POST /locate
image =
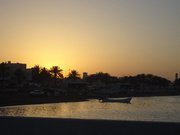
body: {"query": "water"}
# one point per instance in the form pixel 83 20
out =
pixel 165 109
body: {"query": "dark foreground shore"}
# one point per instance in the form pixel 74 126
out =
pixel 52 126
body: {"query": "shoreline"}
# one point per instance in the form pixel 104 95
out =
pixel 24 99
pixel 48 126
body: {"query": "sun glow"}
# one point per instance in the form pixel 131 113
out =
pixel 119 37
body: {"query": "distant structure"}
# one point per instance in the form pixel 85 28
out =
pixel 13 67
pixel 85 75
pixel 176 76
pixel 29 74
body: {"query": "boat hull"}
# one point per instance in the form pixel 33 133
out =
pixel 124 100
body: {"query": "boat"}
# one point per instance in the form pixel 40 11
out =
pixel 111 100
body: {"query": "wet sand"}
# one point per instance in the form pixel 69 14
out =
pixel 51 126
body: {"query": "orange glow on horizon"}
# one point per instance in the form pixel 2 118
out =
pixel 119 37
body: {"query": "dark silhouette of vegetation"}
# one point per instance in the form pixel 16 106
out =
pixel 74 75
pixel 56 72
pixel 147 79
pixel 50 83
pixel 103 77
pixel 44 75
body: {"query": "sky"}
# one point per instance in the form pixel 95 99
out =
pixel 121 37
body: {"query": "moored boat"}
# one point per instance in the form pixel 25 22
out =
pixel 122 100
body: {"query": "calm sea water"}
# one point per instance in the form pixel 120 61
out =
pixel 141 109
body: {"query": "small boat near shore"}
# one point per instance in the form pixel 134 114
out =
pixel 111 100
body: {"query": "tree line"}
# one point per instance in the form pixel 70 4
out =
pixel 38 74
pixel 55 73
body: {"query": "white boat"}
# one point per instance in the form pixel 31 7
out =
pixel 121 100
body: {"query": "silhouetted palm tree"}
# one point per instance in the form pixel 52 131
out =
pixel 74 75
pixel 44 75
pixel 57 72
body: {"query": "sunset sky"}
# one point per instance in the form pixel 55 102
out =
pixel 121 37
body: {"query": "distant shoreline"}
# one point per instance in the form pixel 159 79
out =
pixel 25 99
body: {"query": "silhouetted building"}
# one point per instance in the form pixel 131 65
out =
pixel 16 71
pixel 85 75
pixel 15 66
pixel 29 74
